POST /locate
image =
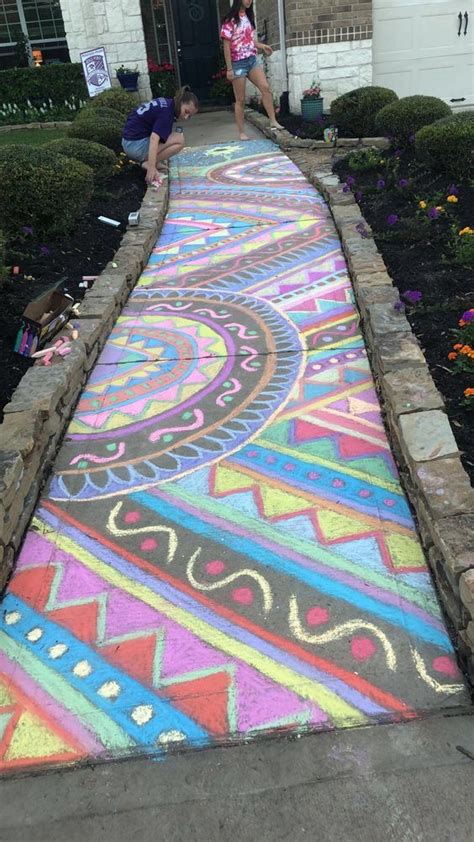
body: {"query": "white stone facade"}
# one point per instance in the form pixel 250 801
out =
pixel 115 25
pixel 338 67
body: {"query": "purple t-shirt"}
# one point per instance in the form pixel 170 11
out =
pixel 155 116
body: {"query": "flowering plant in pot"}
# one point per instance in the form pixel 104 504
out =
pixel 128 77
pixel 162 78
pixel 312 102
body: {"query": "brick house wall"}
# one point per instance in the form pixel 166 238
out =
pixel 329 41
pixel 327 21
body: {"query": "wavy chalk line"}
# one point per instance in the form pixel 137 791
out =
pixel 338 632
pixel 118 532
pixel 261 582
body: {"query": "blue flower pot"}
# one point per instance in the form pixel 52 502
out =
pixel 128 81
pixel 311 108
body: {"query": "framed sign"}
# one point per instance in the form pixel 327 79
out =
pixel 96 71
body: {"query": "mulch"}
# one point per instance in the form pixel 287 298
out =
pixel 419 262
pixel 44 265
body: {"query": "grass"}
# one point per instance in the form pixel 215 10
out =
pixel 31 137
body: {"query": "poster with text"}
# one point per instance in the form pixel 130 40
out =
pixel 96 71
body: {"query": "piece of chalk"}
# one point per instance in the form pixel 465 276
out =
pixel 113 222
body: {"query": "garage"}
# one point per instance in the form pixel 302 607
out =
pixel 425 48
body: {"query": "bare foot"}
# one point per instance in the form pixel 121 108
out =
pixel 244 136
pixel 276 126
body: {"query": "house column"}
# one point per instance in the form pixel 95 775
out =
pixel 115 25
pixel 327 40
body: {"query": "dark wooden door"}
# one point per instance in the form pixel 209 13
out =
pixel 197 38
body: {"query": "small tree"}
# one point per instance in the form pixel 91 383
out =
pixel 22 50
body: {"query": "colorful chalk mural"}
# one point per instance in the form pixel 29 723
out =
pixel 224 549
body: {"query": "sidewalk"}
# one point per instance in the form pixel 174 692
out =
pixel 224 549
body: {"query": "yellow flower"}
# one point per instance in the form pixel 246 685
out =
pixel 466 230
pixel 440 208
pixel 422 204
pixel 453 199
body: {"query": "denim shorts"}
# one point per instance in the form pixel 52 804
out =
pixel 137 150
pixel 245 66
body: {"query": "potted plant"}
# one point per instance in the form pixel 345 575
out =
pixel 312 102
pixel 128 77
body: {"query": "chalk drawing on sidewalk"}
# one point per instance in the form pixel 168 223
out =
pixel 225 549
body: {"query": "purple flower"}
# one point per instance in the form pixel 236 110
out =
pixel 413 296
pixel 44 251
pixel 362 230
pixel 392 219
pixel 358 196
pixel 399 306
pixel 433 213
pixel 398 153
pixel 380 184
pixel 468 316
pixel 403 182
pixel 27 229
pixel 346 189
pixel 350 180
pixel 452 190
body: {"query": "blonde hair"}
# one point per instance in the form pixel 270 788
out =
pixel 185 96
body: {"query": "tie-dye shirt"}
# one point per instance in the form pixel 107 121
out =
pixel 242 44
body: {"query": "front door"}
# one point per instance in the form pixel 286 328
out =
pixel 197 40
pixel 424 47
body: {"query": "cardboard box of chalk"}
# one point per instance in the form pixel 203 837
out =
pixel 41 320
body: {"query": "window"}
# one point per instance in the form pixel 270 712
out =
pixel 43 19
pixel 9 22
pixel 161 31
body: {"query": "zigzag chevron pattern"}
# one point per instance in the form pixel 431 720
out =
pixel 224 549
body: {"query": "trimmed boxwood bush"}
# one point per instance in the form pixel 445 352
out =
pixel 107 131
pixel 354 113
pixel 3 253
pixel 42 189
pixel 100 159
pixel 116 98
pixel 39 94
pixel 104 113
pixel 405 117
pixel 447 145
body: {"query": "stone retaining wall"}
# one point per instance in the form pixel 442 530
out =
pixel 421 435
pixel 59 124
pixel 38 413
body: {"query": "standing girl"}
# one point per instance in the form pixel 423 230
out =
pixel 148 135
pixel 240 53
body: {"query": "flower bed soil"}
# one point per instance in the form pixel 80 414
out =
pixel 45 264
pixel 305 129
pixel 421 264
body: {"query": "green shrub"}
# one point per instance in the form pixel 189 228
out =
pixel 447 145
pixel 117 99
pixel 107 131
pixel 162 83
pixel 44 190
pixel 100 159
pixel 221 87
pixel 354 113
pixel 104 113
pixel 41 94
pixel 365 160
pixel 399 120
pixel 3 255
